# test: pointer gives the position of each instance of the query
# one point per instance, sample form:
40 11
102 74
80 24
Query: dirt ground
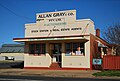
52 73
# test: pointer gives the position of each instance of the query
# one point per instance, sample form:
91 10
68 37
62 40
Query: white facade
66 25
59 27
78 61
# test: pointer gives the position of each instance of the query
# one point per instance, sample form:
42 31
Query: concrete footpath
53 73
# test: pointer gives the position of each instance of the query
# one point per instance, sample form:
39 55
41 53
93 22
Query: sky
14 14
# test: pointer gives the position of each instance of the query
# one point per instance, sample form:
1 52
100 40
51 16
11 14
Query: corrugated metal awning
48 39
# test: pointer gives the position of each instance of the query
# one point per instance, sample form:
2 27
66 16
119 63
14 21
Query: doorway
55 49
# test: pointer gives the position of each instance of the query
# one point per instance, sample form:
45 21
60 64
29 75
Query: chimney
98 32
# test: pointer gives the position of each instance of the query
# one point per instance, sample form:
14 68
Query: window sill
37 54
73 55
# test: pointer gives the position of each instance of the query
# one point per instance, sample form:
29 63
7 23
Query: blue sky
15 13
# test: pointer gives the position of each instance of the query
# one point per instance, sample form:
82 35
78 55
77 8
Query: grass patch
108 73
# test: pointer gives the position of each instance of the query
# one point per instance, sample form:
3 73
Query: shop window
31 48
74 48
68 48
37 48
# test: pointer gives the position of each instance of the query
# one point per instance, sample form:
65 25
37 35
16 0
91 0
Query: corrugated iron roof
12 48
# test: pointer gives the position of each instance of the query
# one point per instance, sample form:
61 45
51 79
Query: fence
111 62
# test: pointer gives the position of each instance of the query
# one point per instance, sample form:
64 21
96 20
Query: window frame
40 49
72 48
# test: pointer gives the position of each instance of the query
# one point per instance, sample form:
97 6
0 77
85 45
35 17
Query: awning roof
100 44
48 38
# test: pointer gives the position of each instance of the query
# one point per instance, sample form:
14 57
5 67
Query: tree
112 36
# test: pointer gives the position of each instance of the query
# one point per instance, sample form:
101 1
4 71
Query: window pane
42 48
75 46
68 48
82 47
31 48
37 50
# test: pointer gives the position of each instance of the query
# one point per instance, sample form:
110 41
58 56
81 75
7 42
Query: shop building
58 41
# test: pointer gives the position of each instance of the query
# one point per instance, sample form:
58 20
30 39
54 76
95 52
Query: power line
26 18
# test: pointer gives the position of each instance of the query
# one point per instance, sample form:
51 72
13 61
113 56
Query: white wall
2 58
37 61
78 61
85 29
86 25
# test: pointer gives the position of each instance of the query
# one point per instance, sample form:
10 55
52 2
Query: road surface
38 78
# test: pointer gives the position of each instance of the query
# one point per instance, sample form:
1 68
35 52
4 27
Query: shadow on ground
18 65
12 64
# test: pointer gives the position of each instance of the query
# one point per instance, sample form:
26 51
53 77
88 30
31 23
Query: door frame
58 57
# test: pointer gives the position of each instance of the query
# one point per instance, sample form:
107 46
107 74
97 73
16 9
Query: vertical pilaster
26 48
63 53
47 47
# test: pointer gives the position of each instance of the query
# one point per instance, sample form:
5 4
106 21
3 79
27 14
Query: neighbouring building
12 52
58 41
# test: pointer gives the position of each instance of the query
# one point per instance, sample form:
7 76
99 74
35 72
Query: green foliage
107 73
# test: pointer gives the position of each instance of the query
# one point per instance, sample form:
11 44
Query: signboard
59 23
97 61
58 18
52 16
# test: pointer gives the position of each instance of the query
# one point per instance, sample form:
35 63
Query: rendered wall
49 25
78 61
37 61
64 25
86 27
